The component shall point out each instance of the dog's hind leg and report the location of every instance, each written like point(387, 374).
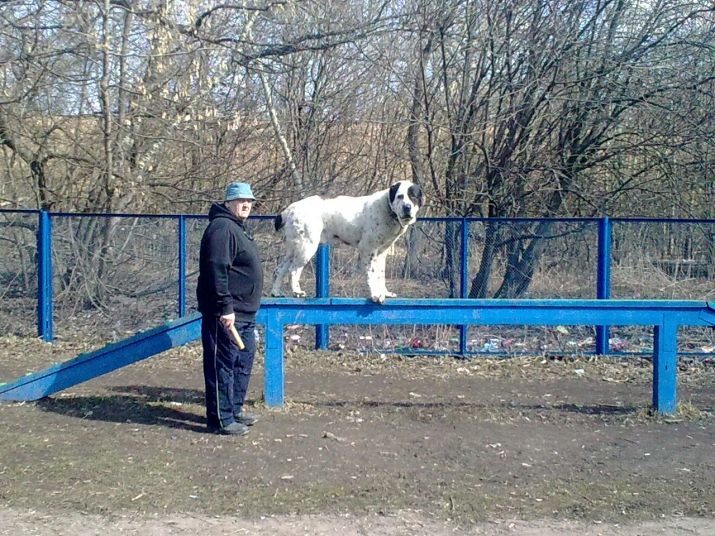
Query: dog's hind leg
point(279, 275)
point(292, 265)
point(300, 258)
point(302, 230)
point(299, 254)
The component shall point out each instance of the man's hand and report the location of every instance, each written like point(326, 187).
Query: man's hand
point(227, 320)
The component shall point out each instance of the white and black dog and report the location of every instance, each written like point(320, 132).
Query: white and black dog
point(371, 223)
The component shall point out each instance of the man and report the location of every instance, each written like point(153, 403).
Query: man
point(229, 295)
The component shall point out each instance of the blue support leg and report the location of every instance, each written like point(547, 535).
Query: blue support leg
point(45, 306)
point(322, 290)
point(463, 347)
point(665, 363)
point(274, 371)
point(463, 281)
point(182, 266)
point(603, 279)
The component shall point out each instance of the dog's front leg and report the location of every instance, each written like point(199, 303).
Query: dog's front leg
point(278, 276)
point(376, 277)
point(387, 293)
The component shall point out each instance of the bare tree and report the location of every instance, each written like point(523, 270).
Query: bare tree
point(498, 108)
point(526, 105)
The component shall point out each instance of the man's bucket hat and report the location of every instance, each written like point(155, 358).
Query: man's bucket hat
point(239, 190)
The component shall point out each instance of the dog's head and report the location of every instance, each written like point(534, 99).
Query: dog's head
point(405, 200)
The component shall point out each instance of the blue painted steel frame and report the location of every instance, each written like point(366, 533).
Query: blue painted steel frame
point(44, 260)
point(603, 279)
point(182, 266)
point(44, 275)
point(666, 316)
point(322, 290)
point(463, 277)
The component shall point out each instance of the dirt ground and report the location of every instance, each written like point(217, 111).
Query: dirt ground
point(374, 445)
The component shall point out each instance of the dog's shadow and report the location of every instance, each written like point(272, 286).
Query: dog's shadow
point(137, 404)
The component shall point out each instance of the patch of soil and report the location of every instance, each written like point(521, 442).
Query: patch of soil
point(365, 444)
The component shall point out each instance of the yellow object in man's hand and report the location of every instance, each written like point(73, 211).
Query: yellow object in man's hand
point(236, 337)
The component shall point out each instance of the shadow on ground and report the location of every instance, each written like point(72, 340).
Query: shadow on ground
point(586, 409)
point(137, 404)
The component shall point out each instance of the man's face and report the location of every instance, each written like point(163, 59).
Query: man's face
point(240, 208)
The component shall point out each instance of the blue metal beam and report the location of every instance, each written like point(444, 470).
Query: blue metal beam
point(489, 312)
point(666, 316)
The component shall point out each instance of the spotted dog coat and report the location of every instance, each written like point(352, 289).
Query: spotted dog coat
point(371, 223)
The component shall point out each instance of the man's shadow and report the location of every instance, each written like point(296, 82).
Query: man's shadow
point(139, 404)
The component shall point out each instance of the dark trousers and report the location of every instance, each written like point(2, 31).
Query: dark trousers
point(227, 370)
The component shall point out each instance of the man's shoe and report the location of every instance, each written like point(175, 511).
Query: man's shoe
point(246, 419)
point(235, 428)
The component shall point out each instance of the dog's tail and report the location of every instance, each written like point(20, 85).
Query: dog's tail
point(278, 222)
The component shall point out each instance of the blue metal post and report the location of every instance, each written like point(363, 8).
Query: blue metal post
point(463, 278)
point(182, 266)
point(274, 379)
point(603, 281)
point(322, 290)
point(44, 279)
point(665, 366)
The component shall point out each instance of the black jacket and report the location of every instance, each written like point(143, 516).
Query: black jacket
point(230, 272)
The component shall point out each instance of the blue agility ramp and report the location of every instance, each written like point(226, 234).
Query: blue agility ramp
point(275, 314)
point(87, 366)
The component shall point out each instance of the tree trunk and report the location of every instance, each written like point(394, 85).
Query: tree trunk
point(522, 260)
point(480, 283)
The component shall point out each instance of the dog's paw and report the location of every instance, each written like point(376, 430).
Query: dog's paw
point(390, 294)
point(378, 298)
point(299, 294)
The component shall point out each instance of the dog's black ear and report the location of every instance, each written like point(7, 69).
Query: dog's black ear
point(414, 192)
point(278, 222)
point(393, 191)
